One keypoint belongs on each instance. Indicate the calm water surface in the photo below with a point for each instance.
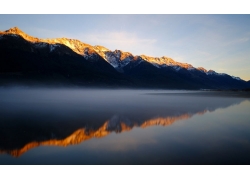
(75, 126)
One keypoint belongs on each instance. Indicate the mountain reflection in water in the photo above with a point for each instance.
(116, 123)
(62, 118)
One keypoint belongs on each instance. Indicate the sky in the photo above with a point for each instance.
(217, 42)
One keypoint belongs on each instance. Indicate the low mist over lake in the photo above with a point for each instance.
(105, 126)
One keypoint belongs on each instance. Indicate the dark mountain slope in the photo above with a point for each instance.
(25, 62)
(69, 62)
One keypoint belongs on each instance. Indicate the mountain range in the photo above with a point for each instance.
(27, 60)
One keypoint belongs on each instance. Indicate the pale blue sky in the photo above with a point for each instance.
(218, 42)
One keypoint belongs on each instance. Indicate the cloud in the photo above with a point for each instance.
(119, 40)
(245, 39)
(112, 40)
(44, 33)
(238, 40)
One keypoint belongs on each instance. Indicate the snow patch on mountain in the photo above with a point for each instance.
(53, 46)
(156, 65)
(40, 45)
(101, 48)
(13, 35)
(176, 68)
(114, 61)
(118, 59)
(201, 69)
(222, 74)
(237, 78)
(211, 72)
(139, 61)
(125, 61)
(166, 61)
(190, 68)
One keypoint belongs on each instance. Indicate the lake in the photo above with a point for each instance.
(94, 126)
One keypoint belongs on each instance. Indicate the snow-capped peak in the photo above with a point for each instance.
(118, 59)
(101, 48)
(211, 72)
(202, 69)
(237, 78)
(15, 30)
(73, 44)
(166, 61)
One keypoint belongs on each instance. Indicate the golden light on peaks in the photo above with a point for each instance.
(74, 44)
(124, 55)
(202, 69)
(165, 61)
(84, 49)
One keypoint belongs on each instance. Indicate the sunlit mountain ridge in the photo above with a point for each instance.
(76, 45)
(118, 59)
(72, 62)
